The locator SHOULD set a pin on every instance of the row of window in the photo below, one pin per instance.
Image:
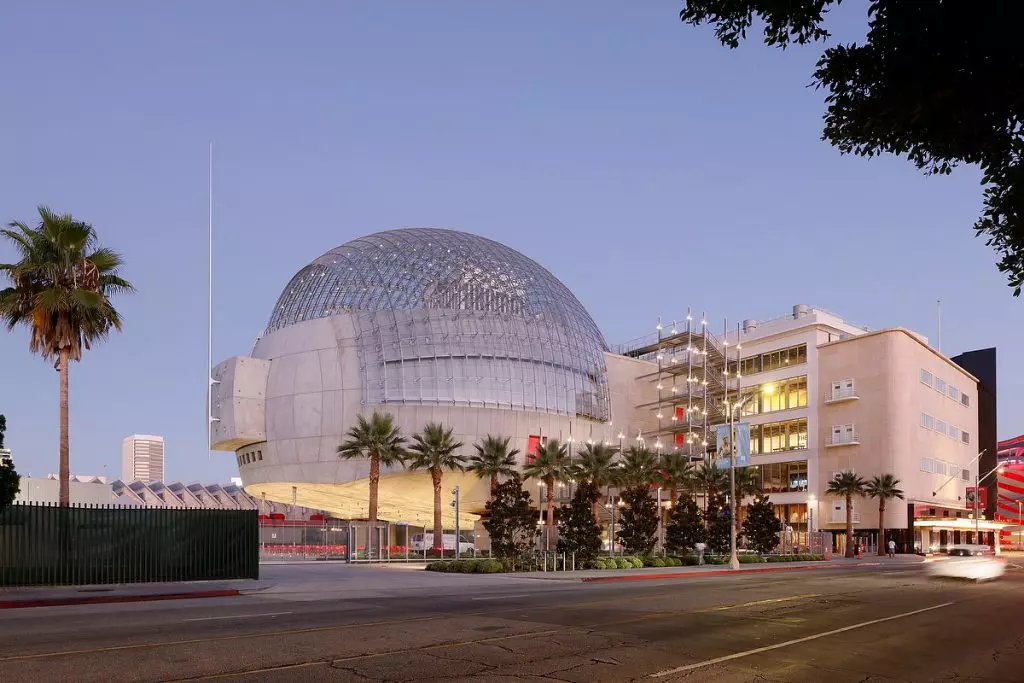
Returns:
(946, 469)
(249, 457)
(782, 477)
(940, 426)
(769, 398)
(771, 360)
(773, 437)
(940, 385)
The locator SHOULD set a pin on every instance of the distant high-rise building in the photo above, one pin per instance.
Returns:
(142, 458)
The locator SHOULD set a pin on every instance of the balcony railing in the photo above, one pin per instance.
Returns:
(844, 439)
(844, 394)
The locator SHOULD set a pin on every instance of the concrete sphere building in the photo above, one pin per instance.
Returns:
(431, 326)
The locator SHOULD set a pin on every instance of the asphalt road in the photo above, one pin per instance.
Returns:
(888, 623)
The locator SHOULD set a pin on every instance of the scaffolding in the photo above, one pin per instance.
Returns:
(694, 385)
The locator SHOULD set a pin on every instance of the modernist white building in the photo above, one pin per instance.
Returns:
(430, 326)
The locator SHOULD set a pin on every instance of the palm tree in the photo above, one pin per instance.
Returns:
(493, 459)
(747, 483)
(710, 480)
(434, 450)
(676, 473)
(60, 289)
(847, 484)
(883, 487)
(550, 465)
(639, 467)
(379, 440)
(596, 466)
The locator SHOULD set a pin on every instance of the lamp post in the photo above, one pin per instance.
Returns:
(812, 502)
(455, 504)
(977, 496)
(1020, 539)
(734, 560)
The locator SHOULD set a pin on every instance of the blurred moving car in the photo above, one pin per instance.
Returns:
(966, 561)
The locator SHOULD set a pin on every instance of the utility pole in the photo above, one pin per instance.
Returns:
(455, 504)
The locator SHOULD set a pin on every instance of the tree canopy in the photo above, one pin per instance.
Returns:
(935, 82)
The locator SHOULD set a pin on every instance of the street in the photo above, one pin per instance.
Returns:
(341, 623)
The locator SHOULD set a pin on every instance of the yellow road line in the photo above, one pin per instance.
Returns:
(755, 603)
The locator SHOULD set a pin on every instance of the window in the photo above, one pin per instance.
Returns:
(927, 465)
(965, 437)
(842, 389)
(843, 434)
(788, 435)
(782, 477)
(954, 432)
(953, 392)
(965, 475)
(926, 377)
(773, 360)
(965, 399)
(927, 421)
(940, 385)
(940, 426)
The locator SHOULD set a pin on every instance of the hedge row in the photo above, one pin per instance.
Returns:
(490, 566)
(466, 566)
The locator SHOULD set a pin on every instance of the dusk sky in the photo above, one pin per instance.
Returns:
(644, 164)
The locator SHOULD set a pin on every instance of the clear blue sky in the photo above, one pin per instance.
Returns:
(644, 164)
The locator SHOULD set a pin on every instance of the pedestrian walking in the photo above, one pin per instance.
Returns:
(892, 548)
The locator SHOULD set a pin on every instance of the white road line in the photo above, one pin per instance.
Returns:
(504, 597)
(747, 653)
(240, 616)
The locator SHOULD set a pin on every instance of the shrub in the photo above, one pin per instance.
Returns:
(657, 562)
(673, 562)
(688, 560)
(750, 559)
(648, 561)
(637, 562)
(623, 563)
(598, 564)
(489, 567)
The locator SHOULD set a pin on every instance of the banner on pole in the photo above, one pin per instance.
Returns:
(723, 441)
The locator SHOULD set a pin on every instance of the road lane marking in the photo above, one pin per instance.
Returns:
(503, 597)
(240, 616)
(755, 603)
(795, 641)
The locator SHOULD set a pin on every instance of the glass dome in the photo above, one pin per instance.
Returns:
(446, 317)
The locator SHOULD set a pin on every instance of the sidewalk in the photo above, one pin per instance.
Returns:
(59, 596)
(651, 573)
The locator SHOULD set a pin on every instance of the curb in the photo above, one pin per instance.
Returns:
(104, 599)
(722, 572)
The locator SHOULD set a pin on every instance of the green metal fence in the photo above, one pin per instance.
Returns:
(47, 545)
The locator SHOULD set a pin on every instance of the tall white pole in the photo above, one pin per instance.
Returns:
(209, 322)
(938, 323)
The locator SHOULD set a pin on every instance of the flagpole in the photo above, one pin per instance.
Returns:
(209, 321)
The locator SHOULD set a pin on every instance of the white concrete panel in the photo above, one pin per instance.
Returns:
(307, 450)
(308, 414)
(348, 363)
(281, 381)
(280, 424)
(330, 369)
(307, 372)
(330, 418)
(286, 453)
(343, 326)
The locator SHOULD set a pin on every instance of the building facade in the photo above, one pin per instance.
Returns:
(440, 326)
(142, 458)
(83, 490)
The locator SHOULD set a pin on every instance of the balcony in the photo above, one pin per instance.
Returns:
(851, 438)
(839, 516)
(841, 396)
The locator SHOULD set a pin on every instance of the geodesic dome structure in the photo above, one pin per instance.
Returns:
(446, 317)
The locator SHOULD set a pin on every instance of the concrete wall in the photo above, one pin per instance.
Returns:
(886, 416)
(45, 490)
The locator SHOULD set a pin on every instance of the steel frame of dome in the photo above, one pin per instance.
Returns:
(446, 317)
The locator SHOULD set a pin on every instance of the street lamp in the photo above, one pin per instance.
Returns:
(977, 492)
(734, 560)
(1020, 538)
